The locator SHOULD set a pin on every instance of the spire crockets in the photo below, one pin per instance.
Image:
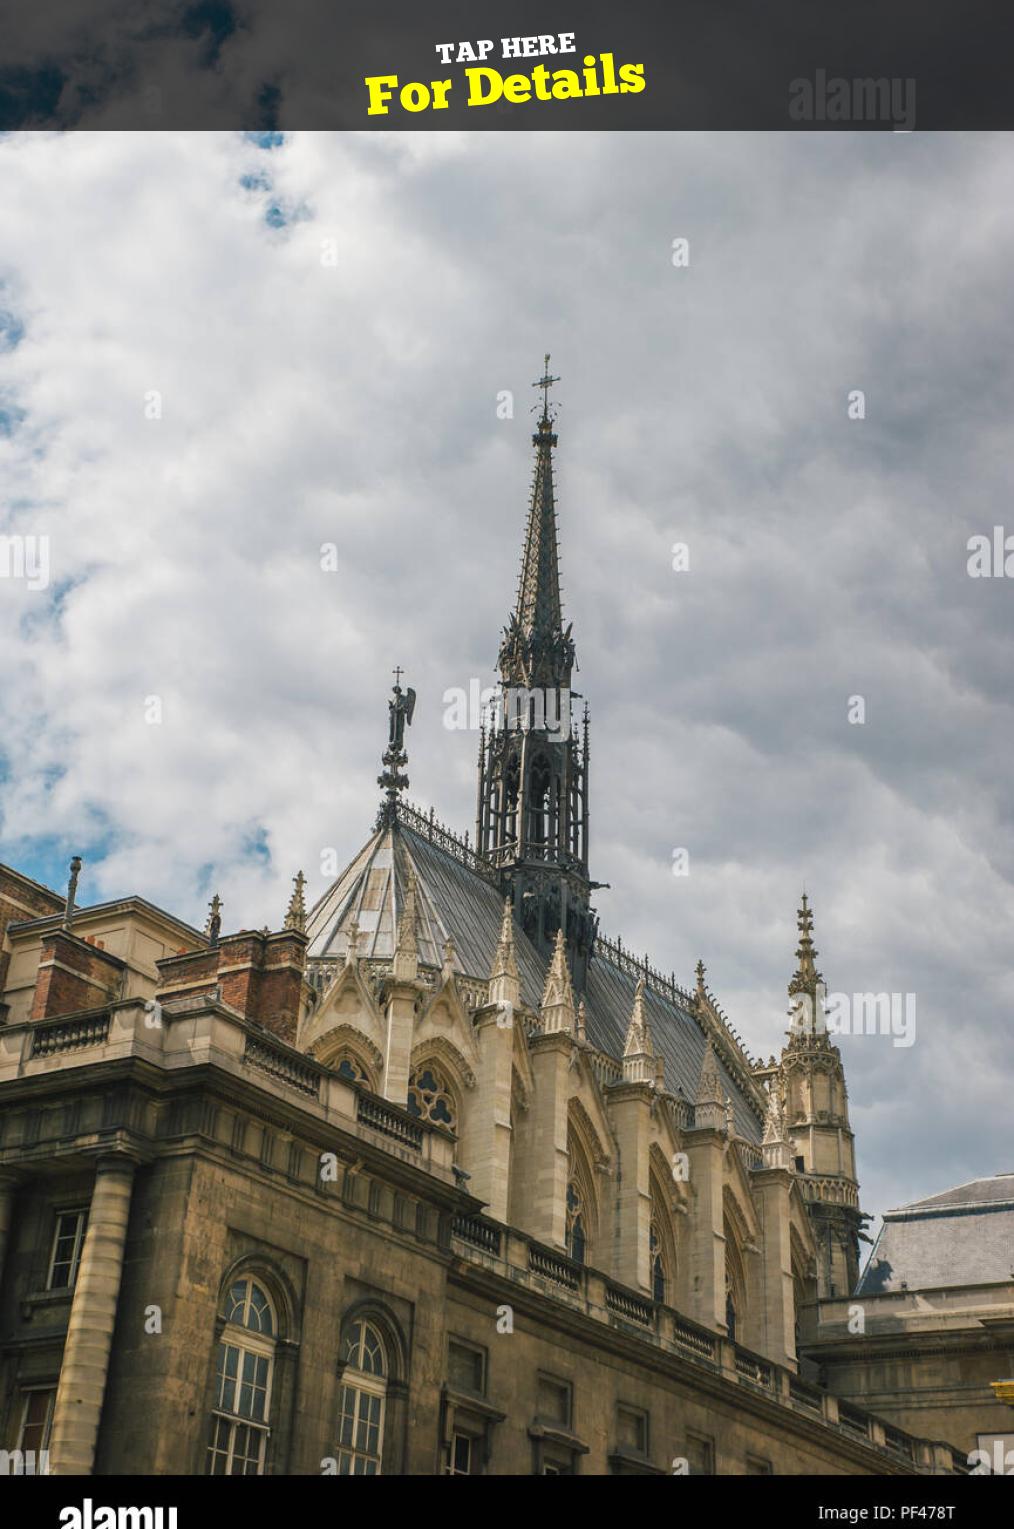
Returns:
(807, 985)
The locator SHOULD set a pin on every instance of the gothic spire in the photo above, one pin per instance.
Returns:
(535, 649)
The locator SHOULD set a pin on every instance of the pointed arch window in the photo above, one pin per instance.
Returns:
(361, 1401)
(658, 1275)
(244, 1370)
(576, 1240)
(430, 1097)
(730, 1307)
(351, 1069)
(539, 800)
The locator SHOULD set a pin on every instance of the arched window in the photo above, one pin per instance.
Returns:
(430, 1097)
(244, 1368)
(658, 1279)
(350, 1068)
(539, 806)
(575, 1223)
(730, 1307)
(361, 1402)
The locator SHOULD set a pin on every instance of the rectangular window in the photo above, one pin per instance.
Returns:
(462, 1454)
(632, 1429)
(700, 1455)
(466, 1367)
(238, 1441)
(236, 1449)
(553, 1401)
(755, 1466)
(360, 1423)
(67, 1241)
(36, 1419)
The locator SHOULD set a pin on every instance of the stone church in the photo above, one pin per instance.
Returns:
(435, 1178)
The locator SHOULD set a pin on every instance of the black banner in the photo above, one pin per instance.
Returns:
(265, 65)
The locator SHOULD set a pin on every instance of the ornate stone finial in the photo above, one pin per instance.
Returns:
(352, 941)
(638, 1035)
(213, 927)
(807, 985)
(558, 994)
(504, 982)
(295, 918)
(400, 709)
(709, 1087)
(709, 1104)
(447, 969)
(638, 1052)
(68, 911)
(700, 970)
(806, 975)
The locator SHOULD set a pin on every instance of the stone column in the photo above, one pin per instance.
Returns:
(707, 1228)
(630, 1110)
(491, 1131)
(773, 1187)
(8, 1189)
(92, 1319)
(545, 1177)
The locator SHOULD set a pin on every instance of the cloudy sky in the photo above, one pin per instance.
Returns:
(327, 322)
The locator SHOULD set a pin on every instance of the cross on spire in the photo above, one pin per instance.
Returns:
(545, 382)
(397, 672)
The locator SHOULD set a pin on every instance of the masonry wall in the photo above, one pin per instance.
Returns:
(201, 1214)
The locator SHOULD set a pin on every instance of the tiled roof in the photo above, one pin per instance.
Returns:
(962, 1236)
(453, 899)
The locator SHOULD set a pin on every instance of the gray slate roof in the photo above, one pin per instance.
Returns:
(962, 1236)
(452, 899)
